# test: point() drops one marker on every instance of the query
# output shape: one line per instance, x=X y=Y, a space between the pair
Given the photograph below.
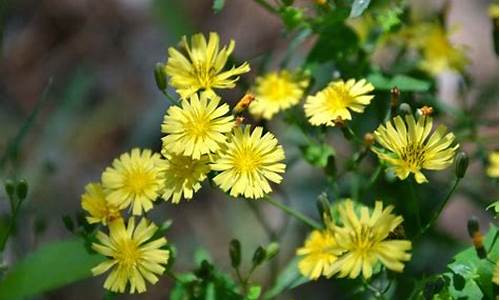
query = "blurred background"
x=86 y=66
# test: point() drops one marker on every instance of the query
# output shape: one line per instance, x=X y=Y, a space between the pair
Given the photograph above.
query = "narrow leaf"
x=48 y=268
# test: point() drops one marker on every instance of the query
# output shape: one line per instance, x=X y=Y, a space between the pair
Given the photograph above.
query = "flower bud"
x=243 y=103
x=160 y=76
x=235 y=253
x=404 y=109
x=462 y=162
x=68 y=223
x=9 y=188
x=272 y=250
x=369 y=139
x=21 y=189
x=476 y=236
x=258 y=256
x=425 y=111
x=395 y=93
x=323 y=206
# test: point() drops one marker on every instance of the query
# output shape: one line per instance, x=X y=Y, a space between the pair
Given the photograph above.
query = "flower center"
x=128 y=253
x=246 y=160
x=363 y=239
x=138 y=180
x=338 y=97
x=203 y=73
x=198 y=126
x=276 y=89
x=413 y=155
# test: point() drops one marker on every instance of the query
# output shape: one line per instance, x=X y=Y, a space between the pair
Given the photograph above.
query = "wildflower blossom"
x=182 y=176
x=94 y=202
x=135 y=257
x=276 y=91
x=134 y=179
x=248 y=162
x=438 y=53
x=337 y=100
x=492 y=169
x=409 y=148
x=198 y=127
x=365 y=241
x=318 y=254
x=200 y=65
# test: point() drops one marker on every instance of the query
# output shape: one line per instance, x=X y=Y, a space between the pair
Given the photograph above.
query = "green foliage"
x=468 y=276
x=403 y=82
x=317 y=154
x=50 y=267
x=206 y=283
x=289 y=278
x=218 y=5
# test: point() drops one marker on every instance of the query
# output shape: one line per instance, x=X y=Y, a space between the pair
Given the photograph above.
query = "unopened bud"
x=258 y=256
x=462 y=162
x=68 y=223
x=323 y=206
x=369 y=139
x=160 y=76
x=9 y=188
x=395 y=93
x=425 y=111
x=339 y=122
x=404 y=109
x=272 y=250
x=476 y=236
x=21 y=189
x=243 y=103
x=235 y=253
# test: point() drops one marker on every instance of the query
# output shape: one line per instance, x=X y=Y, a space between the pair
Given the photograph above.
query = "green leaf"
x=471 y=276
x=403 y=82
x=50 y=267
x=218 y=5
x=358 y=7
x=493 y=206
x=254 y=292
x=289 y=278
x=317 y=154
x=292 y=17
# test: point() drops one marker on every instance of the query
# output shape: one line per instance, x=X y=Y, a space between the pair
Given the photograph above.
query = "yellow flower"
x=133 y=255
x=201 y=64
x=366 y=241
x=276 y=91
x=493 y=10
x=198 y=127
x=248 y=162
x=134 y=179
x=94 y=202
x=438 y=53
x=318 y=254
x=408 y=147
x=334 y=102
x=183 y=176
x=492 y=169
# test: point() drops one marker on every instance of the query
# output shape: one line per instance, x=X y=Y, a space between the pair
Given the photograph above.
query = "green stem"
x=440 y=209
x=376 y=293
x=258 y=215
x=10 y=227
x=375 y=176
x=415 y=203
x=288 y=210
